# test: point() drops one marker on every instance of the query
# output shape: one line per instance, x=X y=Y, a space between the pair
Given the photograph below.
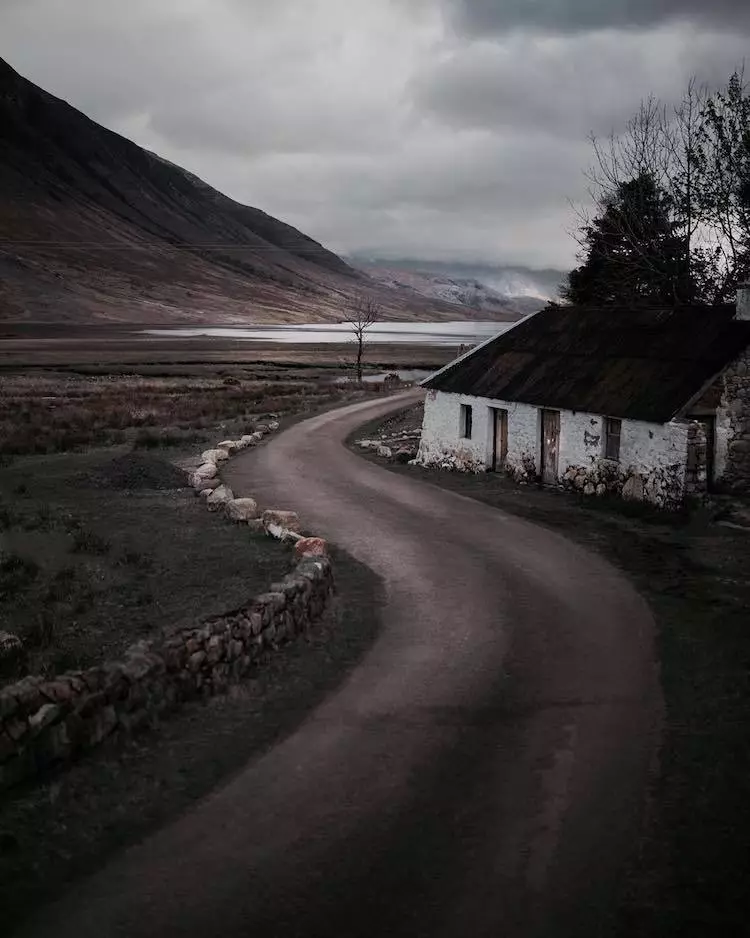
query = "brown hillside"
x=95 y=228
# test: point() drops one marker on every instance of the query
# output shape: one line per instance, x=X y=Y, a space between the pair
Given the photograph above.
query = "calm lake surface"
x=409 y=333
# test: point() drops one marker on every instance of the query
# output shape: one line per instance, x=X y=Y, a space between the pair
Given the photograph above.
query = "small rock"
x=589 y=489
x=207 y=485
x=228 y=446
x=207 y=471
x=12 y=655
x=44 y=716
x=285 y=519
x=634 y=489
x=314 y=546
x=242 y=509
x=274 y=425
x=403 y=456
x=219 y=498
x=195 y=661
x=215 y=456
x=385 y=451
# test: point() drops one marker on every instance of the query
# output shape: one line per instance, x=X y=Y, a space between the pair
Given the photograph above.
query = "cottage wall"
x=441 y=443
x=732 y=444
x=653 y=457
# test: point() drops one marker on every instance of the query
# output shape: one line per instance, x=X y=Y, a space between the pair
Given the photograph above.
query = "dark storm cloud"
x=570 y=86
x=381 y=126
x=481 y=17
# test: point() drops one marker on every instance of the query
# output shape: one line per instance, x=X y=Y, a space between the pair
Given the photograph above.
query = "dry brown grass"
x=49 y=412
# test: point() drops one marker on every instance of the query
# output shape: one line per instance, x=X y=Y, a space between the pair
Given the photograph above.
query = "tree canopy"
x=633 y=255
x=672 y=196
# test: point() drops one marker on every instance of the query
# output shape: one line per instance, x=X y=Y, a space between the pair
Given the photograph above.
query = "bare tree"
x=638 y=154
x=725 y=192
x=698 y=155
x=364 y=312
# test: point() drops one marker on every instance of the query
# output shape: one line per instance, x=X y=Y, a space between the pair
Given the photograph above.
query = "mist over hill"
x=491 y=289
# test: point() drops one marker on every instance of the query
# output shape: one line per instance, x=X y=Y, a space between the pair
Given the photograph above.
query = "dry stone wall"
x=47 y=722
x=733 y=427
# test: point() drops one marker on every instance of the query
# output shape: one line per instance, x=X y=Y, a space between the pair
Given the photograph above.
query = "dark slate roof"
x=642 y=364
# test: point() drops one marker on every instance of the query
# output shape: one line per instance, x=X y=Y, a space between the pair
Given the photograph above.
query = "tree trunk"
x=359 y=360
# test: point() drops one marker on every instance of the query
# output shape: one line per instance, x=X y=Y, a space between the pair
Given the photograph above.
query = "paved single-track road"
x=481 y=772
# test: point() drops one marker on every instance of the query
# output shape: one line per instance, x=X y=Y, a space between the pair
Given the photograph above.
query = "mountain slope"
x=93 y=227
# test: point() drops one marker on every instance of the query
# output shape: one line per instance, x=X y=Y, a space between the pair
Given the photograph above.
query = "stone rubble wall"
x=663 y=487
x=733 y=428
x=48 y=722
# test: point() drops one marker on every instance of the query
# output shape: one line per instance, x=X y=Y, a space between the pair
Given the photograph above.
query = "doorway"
x=499 y=452
x=550 y=446
x=701 y=459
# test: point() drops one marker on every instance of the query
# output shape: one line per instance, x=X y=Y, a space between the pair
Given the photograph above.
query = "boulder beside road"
x=284 y=519
x=219 y=498
x=311 y=546
x=242 y=509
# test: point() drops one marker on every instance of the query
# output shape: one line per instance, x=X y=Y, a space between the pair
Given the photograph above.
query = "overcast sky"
x=436 y=129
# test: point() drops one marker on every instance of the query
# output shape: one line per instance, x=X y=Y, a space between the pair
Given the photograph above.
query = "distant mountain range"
x=95 y=228
x=488 y=289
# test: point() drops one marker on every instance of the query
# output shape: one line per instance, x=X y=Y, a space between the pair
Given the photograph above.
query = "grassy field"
x=100 y=539
x=691 y=879
x=94 y=555
x=48 y=411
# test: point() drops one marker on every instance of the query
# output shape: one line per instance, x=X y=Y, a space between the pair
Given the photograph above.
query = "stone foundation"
x=661 y=487
x=459 y=459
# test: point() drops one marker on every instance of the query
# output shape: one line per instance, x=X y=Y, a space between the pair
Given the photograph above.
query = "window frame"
x=466 y=425
x=609 y=437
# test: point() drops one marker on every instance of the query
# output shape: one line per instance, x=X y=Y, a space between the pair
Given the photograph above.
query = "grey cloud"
x=573 y=86
x=370 y=125
x=482 y=17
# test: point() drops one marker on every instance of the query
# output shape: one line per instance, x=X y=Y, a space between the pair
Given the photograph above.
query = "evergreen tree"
x=631 y=253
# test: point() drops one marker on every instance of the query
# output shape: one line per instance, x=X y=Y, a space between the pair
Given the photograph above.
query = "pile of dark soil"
x=136 y=470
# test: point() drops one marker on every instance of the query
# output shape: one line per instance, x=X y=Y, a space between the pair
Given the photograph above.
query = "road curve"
x=481 y=772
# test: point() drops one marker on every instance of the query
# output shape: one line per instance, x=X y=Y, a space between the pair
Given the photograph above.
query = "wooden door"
x=499 y=438
x=550 y=446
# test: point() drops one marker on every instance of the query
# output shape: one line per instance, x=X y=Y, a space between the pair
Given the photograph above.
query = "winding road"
x=480 y=773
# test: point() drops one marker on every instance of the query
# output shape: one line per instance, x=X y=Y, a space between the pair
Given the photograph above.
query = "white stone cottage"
x=653 y=404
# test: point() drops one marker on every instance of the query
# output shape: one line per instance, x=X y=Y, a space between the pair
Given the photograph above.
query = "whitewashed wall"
x=648 y=450
x=441 y=442
x=648 y=446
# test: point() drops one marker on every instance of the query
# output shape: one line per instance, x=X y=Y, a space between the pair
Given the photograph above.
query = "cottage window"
x=466 y=421
x=612 y=434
